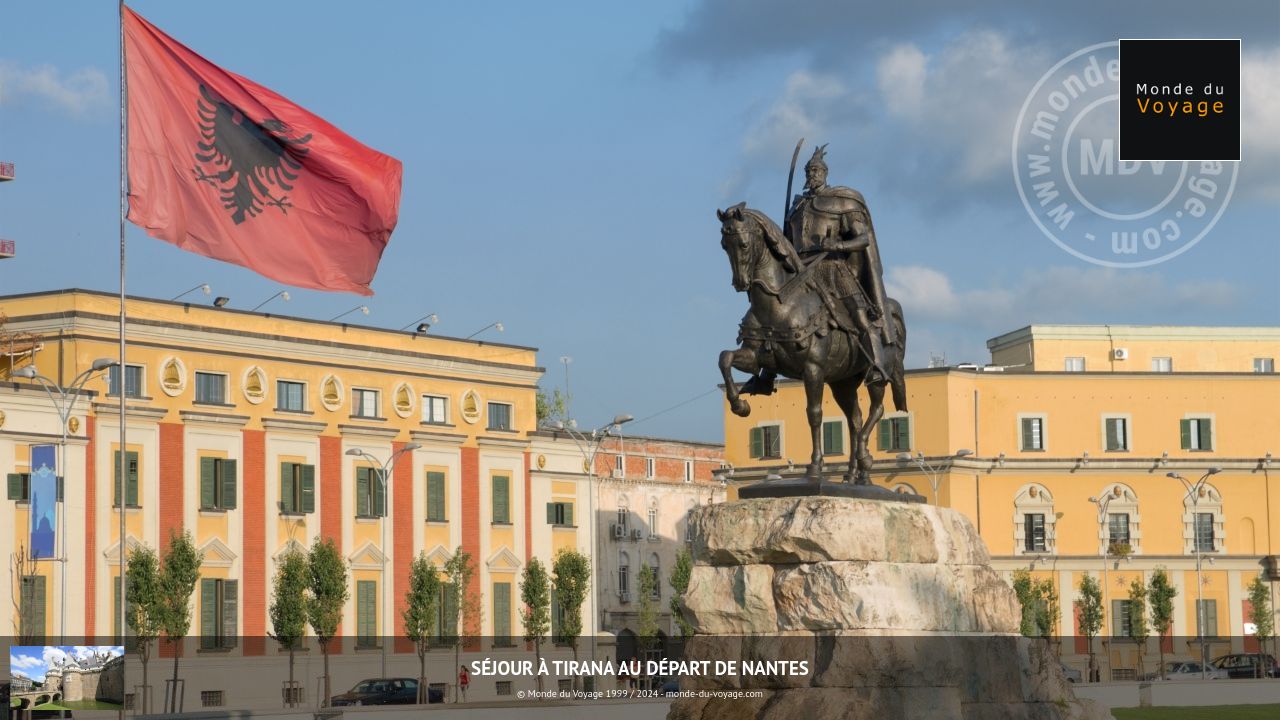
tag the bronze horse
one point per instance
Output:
(791, 330)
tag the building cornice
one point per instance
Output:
(306, 427)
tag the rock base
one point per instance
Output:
(832, 607)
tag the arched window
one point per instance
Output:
(653, 518)
(1120, 530)
(656, 564)
(624, 576)
(1202, 522)
(1034, 521)
(624, 513)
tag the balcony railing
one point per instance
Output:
(6, 171)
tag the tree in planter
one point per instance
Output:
(25, 604)
(288, 609)
(680, 574)
(1139, 630)
(1161, 594)
(647, 612)
(1039, 602)
(420, 614)
(462, 603)
(180, 570)
(571, 578)
(329, 593)
(1260, 614)
(1090, 605)
(535, 593)
(144, 608)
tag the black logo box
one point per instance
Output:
(1187, 68)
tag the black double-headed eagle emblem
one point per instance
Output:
(246, 159)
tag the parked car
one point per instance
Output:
(385, 691)
(1245, 665)
(1187, 670)
(1072, 674)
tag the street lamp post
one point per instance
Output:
(382, 470)
(1103, 503)
(589, 462)
(1193, 491)
(933, 473)
(64, 401)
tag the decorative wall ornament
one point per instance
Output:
(1, 418)
(73, 424)
(402, 400)
(331, 393)
(470, 407)
(173, 376)
(255, 385)
(542, 461)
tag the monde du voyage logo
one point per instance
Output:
(1123, 152)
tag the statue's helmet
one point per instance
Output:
(817, 161)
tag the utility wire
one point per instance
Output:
(676, 406)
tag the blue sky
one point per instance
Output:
(563, 162)
(35, 660)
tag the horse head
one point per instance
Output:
(744, 234)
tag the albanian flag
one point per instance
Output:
(223, 167)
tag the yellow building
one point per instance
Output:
(1061, 462)
(259, 434)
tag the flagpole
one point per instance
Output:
(121, 374)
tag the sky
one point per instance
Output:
(33, 661)
(563, 162)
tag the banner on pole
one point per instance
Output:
(44, 501)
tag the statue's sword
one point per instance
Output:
(786, 208)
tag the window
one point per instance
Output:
(895, 434)
(688, 471)
(560, 513)
(1196, 433)
(1117, 433)
(211, 698)
(366, 613)
(766, 441)
(435, 497)
(1074, 364)
(1162, 364)
(32, 609)
(446, 615)
(833, 437)
(291, 396)
(131, 484)
(1032, 434)
(649, 468)
(499, 416)
(1205, 540)
(1120, 618)
(1207, 618)
(20, 487)
(435, 409)
(211, 388)
(619, 465)
(653, 523)
(557, 619)
(502, 614)
(501, 499)
(364, 403)
(1264, 365)
(564, 685)
(502, 687)
(371, 493)
(1033, 535)
(132, 380)
(217, 484)
(297, 488)
(1117, 529)
(218, 613)
(624, 581)
(623, 514)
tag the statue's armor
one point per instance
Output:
(838, 213)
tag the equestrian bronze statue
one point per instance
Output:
(818, 314)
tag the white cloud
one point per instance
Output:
(77, 92)
(901, 76)
(25, 661)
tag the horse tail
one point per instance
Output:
(897, 379)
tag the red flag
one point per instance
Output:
(223, 167)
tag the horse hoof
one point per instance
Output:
(864, 478)
(740, 407)
(849, 478)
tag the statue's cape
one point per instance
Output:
(839, 200)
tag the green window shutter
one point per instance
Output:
(208, 483)
(308, 488)
(366, 612)
(901, 433)
(286, 488)
(208, 613)
(1206, 433)
(15, 486)
(1028, 434)
(131, 486)
(230, 614)
(883, 439)
(115, 478)
(501, 498)
(362, 492)
(1184, 427)
(61, 487)
(568, 513)
(450, 610)
(555, 615)
(32, 615)
(435, 496)
(551, 513)
(378, 491)
(1113, 434)
(757, 442)
(502, 613)
(229, 484)
(832, 438)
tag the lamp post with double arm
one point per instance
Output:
(1193, 492)
(931, 471)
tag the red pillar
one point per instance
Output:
(470, 458)
(253, 506)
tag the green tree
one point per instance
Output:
(681, 571)
(571, 578)
(1161, 594)
(1139, 630)
(535, 593)
(553, 406)
(288, 609)
(1260, 613)
(647, 611)
(464, 608)
(178, 576)
(420, 614)
(329, 593)
(144, 610)
(1090, 607)
(1037, 598)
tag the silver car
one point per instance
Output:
(1189, 670)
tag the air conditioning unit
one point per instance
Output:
(618, 474)
(636, 534)
(624, 596)
(619, 531)
(1120, 354)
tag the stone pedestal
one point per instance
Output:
(835, 607)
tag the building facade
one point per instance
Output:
(1060, 454)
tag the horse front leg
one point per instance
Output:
(813, 387)
(743, 359)
(875, 393)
